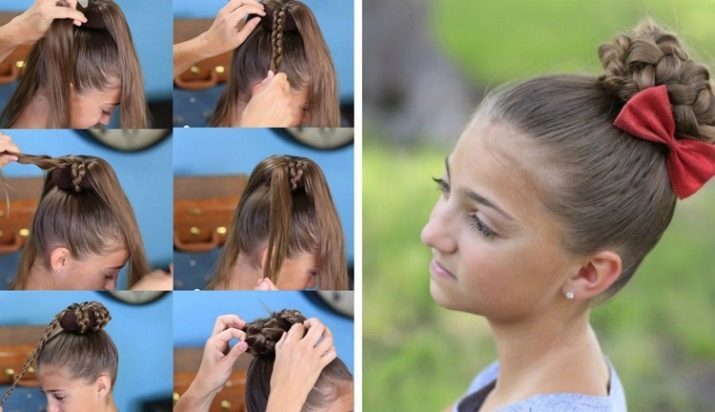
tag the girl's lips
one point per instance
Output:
(439, 271)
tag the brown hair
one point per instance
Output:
(286, 203)
(610, 190)
(288, 39)
(83, 208)
(91, 57)
(80, 347)
(261, 337)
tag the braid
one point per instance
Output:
(33, 355)
(66, 172)
(295, 169)
(77, 318)
(279, 18)
(263, 334)
(649, 56)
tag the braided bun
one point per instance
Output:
(84, 317)
(77, 319)
(649, 56)
(263, 334)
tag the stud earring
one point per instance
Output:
(569, 295)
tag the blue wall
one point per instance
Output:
(145, 176)
(336, 20)
(230, 151)
(152, 31)
(145, 359)
(195, 314)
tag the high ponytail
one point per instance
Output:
(287, 206)
(83, 208)
(288, 39)
(92, 57)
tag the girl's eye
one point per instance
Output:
(482, 228)
(442, 185)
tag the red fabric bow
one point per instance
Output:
(648, 115)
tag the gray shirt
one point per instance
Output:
(484, 382)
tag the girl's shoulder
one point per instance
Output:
(551, 402)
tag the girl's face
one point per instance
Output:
(93, 272)
(65, 394)
(93, 108)
(298, 272)
(496, 251)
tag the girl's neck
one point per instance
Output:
(547, 354)
(244, 274)
(34, 115)
(38, 278)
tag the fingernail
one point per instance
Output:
(242, 345)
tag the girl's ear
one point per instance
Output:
(594, 276)
(103, 386)
(59, 259)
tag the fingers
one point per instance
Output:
(237, 350)
(315, 332)
(227, 321)
(241, 12)
(7, 145)
(281, 341)
(325, 345)
(235, 4)
(221, 340)
(247, 29)
(328, 357)
(295, 334)
(67, 13)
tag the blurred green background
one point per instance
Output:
(659, 331)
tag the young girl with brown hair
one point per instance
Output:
(555, 192)
(285, 232)
(76, 74)
(75, 362)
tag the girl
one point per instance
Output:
(284, 61)
(285, 233)
(76, 74)
(76, 361)
(294, 366)
(555, 192)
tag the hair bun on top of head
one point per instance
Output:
(263, 334)
(70, 176)
(84, 317)
(647, 57)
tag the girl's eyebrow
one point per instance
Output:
(474, 196)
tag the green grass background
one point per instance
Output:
(659, 331)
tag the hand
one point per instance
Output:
(265, 284)
(299, 362)
(229, 30)
(216, 365)
(219, 357)
(271, 105)
(9, 152)
(156, 280)
(31, 25)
